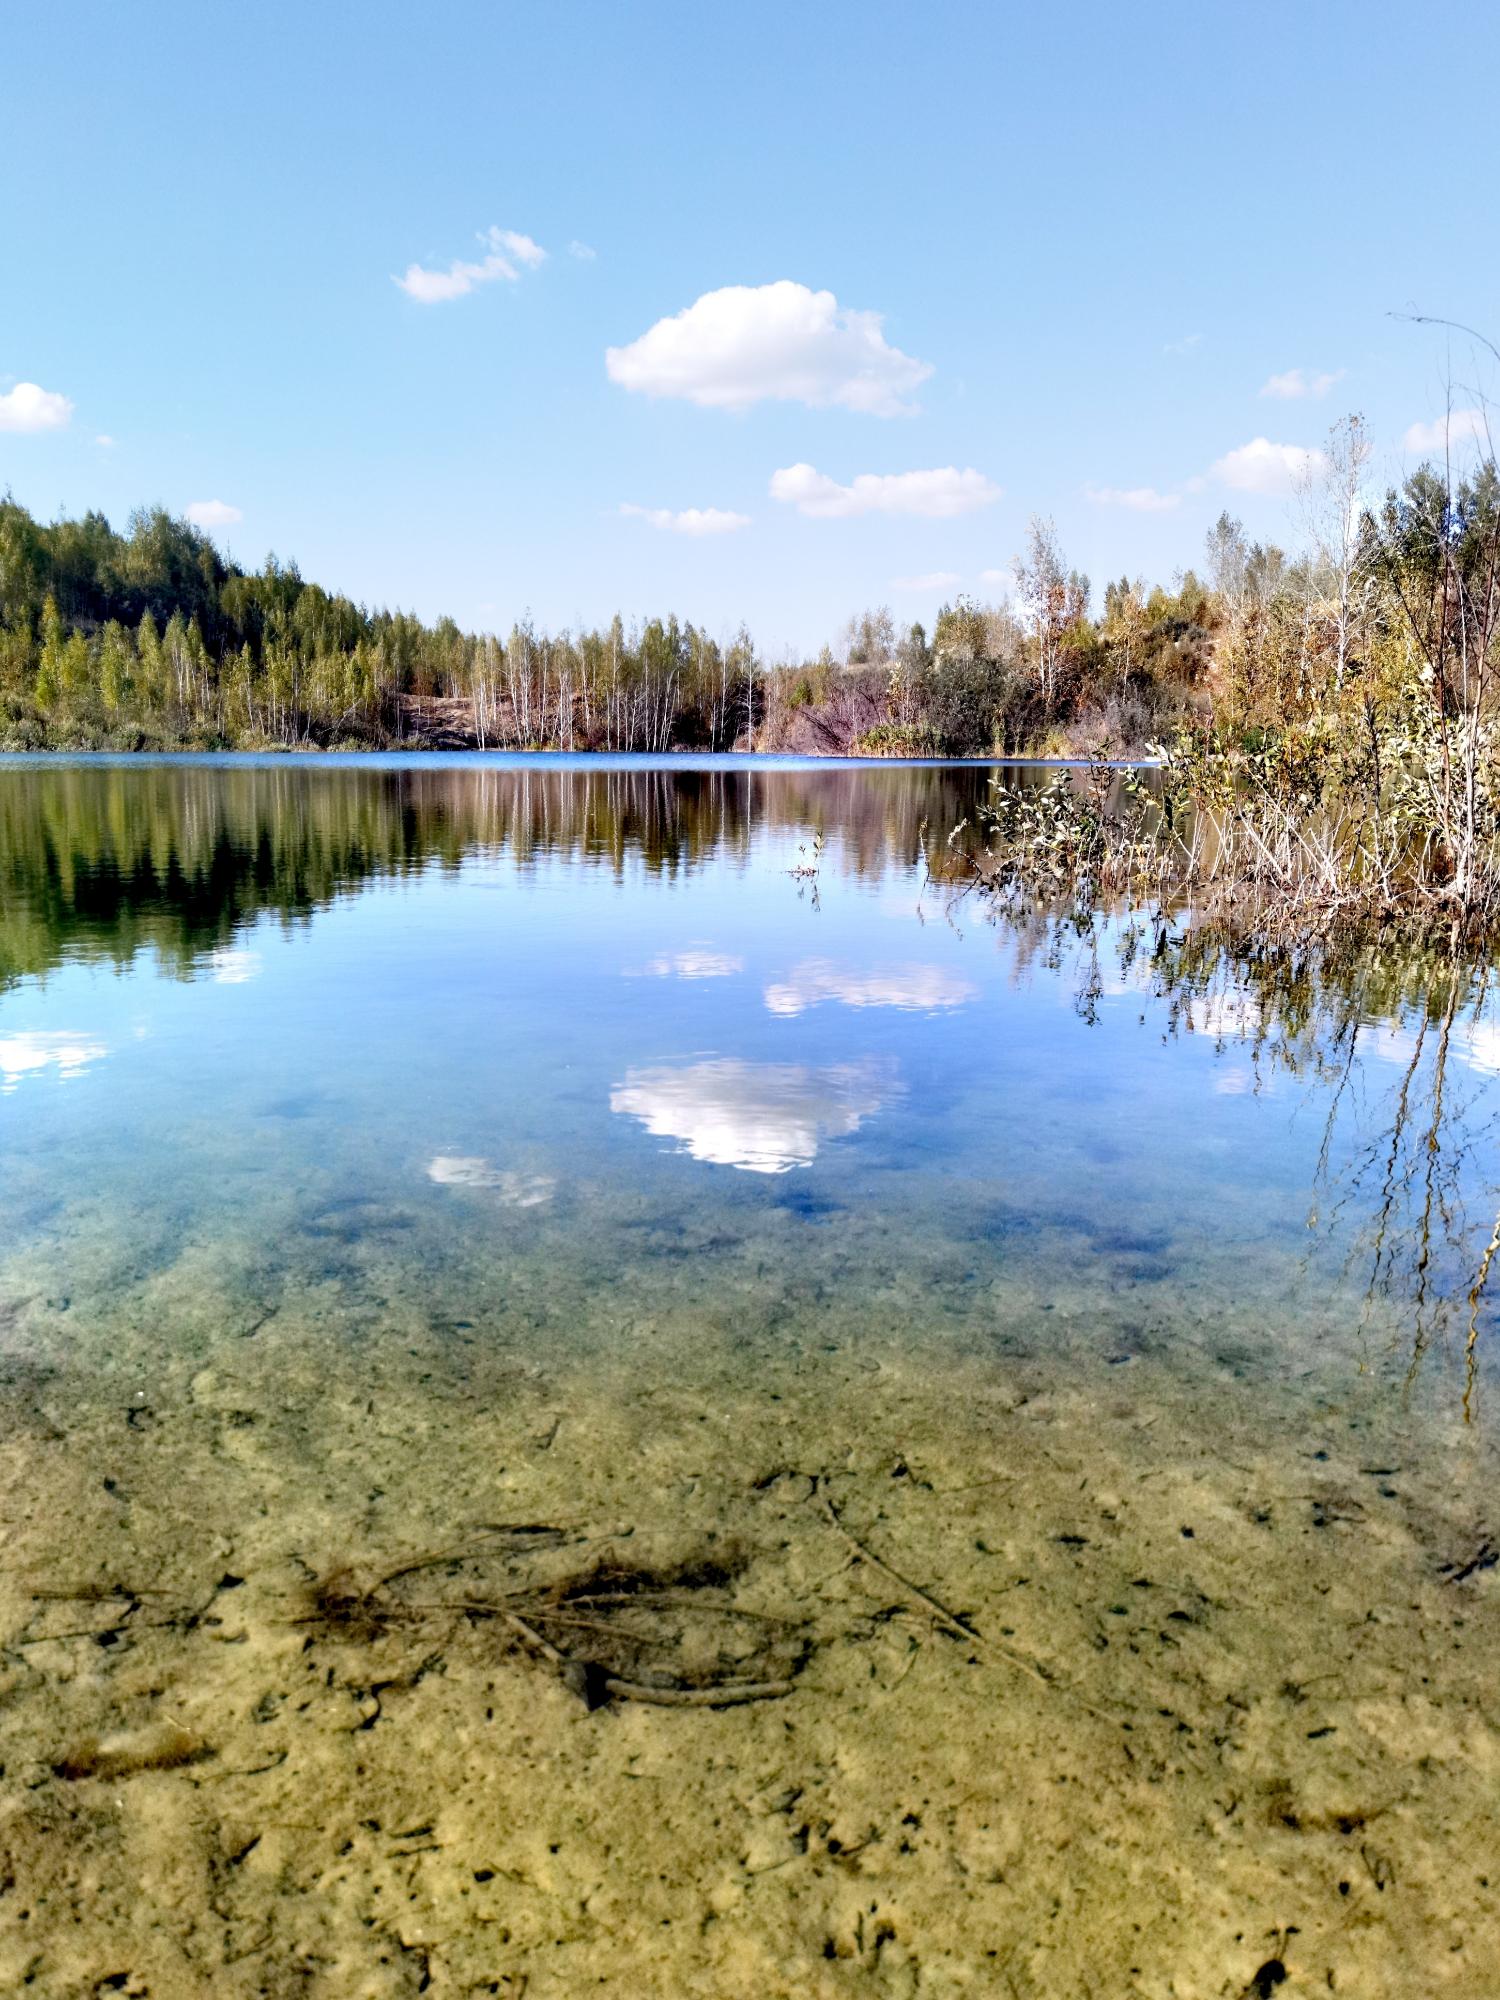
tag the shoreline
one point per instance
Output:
(685, 760)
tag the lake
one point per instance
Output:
(610, 1380)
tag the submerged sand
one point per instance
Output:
(1227, 1723)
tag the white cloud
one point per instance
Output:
(782, 343)
(1184, 346)
(1263, 467)
(936, 495)
(1457, 427)
(28, 407)
(1296, 383)
(505, 249)
(913, 988)
(1140, 499)
(764, 1118)
(212, 514)
(468, 1170)
(104, 441)
(689, 520)
(582, 251)
(929, 580)
(33, 1050)
(697, 961)
(522, 248)
(431, 288)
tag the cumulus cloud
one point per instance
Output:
(1263, 467)
(584, 252)
(781, 343)
(764, 1118)
(936, 495)
(520, 247)
(927, 580)
(104, 441)
(1443, 433)
(29, 407)
(924, 989)
(1140, 499)
(212, 514)
(505, 250)
(689, 520)
(1296, 383)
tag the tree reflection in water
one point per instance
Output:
(1394, 1043)
(1404, 1030)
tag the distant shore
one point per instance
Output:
(678, 758)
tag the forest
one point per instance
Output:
(1355, 674)
(151, 639)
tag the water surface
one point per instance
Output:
(681, 1157)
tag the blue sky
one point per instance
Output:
(1067, 249)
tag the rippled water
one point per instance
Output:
(392, 1147)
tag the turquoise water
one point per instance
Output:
(434, 1186)
(601, 1013)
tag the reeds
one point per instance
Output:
(1237, 840)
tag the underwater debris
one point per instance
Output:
(163, 1747)
(665, 1634)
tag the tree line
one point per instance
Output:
(150, 638)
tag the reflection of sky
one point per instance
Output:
(914, 988)
(232, 965)
(461, 1039)
(37, 1050)
(473, 1171)
(1226, 1017)
(763, 1117)
(1473, 1042)
(696, 961)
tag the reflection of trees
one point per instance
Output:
(1396, 1041)
(106, 859)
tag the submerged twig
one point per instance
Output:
(727, 1694)
(948, 1621)
(609, 1687)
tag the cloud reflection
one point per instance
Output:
(469, 1170)
(696, 961)
(232, 965)
(916, 988)
(764, 1118)
(1226, 1017)
(69, 1053)
(1474, 1042)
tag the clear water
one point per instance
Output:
(393, 1146)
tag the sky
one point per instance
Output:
(760, 313)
